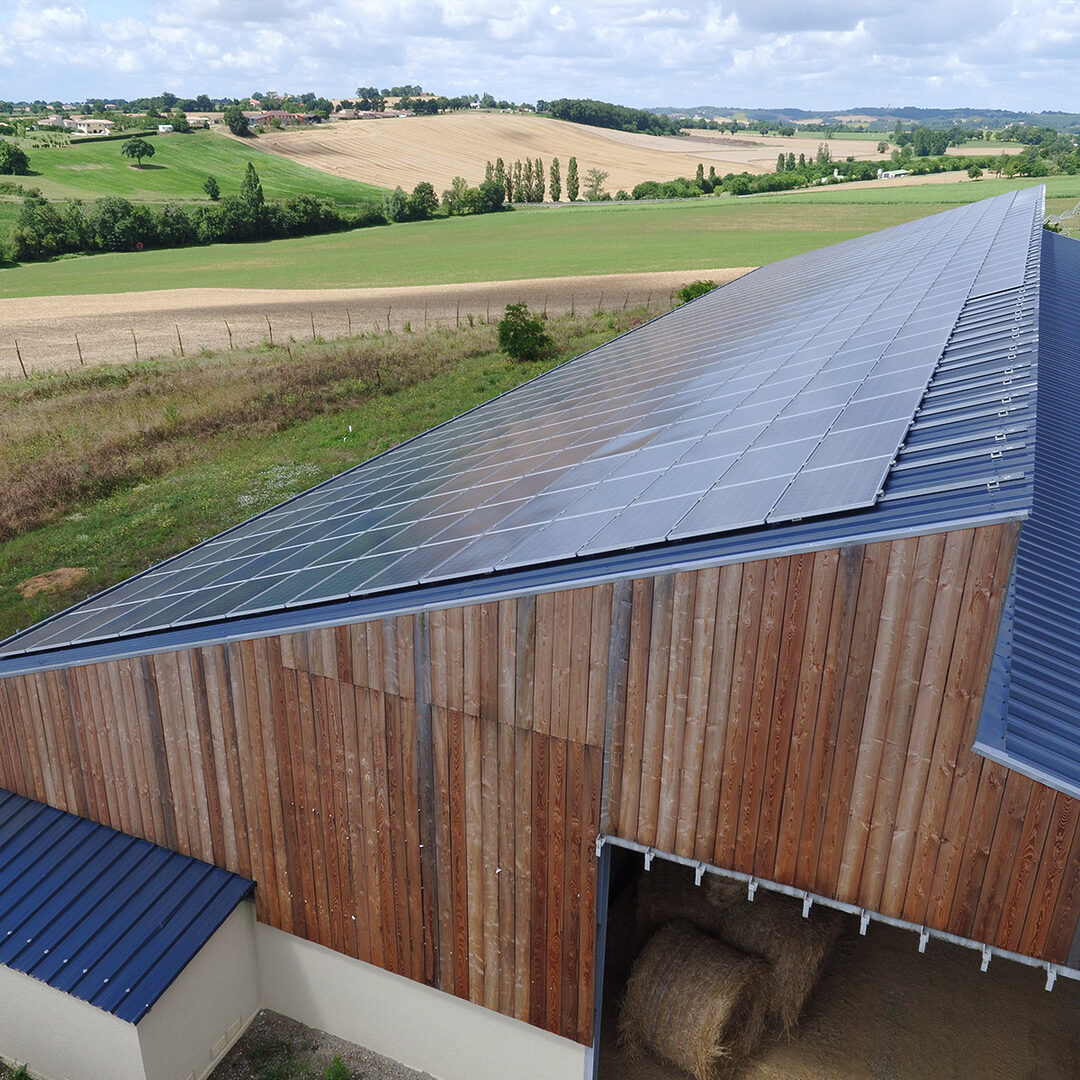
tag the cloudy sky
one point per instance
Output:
(813, 54)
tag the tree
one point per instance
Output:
(251, 189)
(555, 184)
(370, 99)
(13, 160)
(695, 289)
(781, 162)
(519, 184)
(572, 180)
(594, 184)
(522, 335)
(882, 147)
(137, 149)
(974, 172)
(395, 206)
(211, 188)
(538, 181)
(236, 121)
(423, 202)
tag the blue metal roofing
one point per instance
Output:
(108, 918)
(882, 385)
(1031, 720)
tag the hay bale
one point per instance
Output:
(694, 1002)
(772, 928)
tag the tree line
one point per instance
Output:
(606, 115)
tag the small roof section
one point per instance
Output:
(108, 918)
(787, 396)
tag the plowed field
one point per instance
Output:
(438, 148)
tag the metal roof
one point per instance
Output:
(108, 918)
(798, 401)
(1031, 721)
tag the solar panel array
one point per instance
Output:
(783, 395)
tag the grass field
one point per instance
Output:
(113, 468)
(178, 170)
(529, 243)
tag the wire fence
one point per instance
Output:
(67, 343)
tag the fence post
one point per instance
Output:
(312, 316)
(79, 347)
(179, 339)
(271, 329)
(19, 355)
(136, 340)
(228, 330)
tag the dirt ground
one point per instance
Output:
(114, 328)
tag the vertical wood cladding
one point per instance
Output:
(424, 792)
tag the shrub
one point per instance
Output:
(694, 289)
(337, 1070)
(522, 335)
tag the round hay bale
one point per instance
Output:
(772, 927)
(694, 1002)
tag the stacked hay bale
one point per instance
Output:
(772, 928)
(694, 1002)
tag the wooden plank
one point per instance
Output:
(44, 730)
(166, 674)
(393, 940)
(575, 701)
(589, 916)
(488, 660)
(700, 651)
(738, 713)
(89, 750)
(507, 663)
(891, 628)
(722, 667)
(811, 676)
(304, 759)
(404, 632)
(446, 943)
(397, 811)
(673, 734)
(1061, 939)
(368, 718)
(574, 827)
(358, 654)
(600, 599)
(981, 825)
(538, 880)
(524, 926)
(471, 659)
(615, 704)
(408, 752)
(562, 649)
(1049, 877)
(508, 813)
(652, 737)
(60, 709)
(488, 809)
(555, 882)
(334, 815)
(524, 658)
(1005, 846)
(343, 653)
(150, 702)
(542, 663)
(770, 636)
(1022, 881)
(971, 680)
(454, 620)
(919, 751)
(785, 703)
(426, 778)
(459, 858)
(359, 936)
(226, 758)
(846, 737)
(11, 765)
(475, 853)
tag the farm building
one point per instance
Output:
(780, 586)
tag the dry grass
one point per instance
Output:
(694, 1002)
(70, 438)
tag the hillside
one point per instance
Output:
(438, 148)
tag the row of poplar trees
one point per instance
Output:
(526, 182)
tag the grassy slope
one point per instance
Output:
(178, 170)
(178, 451)
(582, 239)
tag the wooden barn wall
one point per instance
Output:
(424, 792)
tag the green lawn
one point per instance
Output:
(178, 170)
(528, 243)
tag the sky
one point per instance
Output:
(811, 54)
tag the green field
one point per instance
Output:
(582, 239)
(178, 170)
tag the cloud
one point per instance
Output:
(814, 54)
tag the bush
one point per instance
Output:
(522, 335)
(694, 289)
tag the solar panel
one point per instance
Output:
(784, 394)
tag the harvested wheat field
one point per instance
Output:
(404, 151)
(113, 328)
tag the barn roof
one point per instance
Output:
(102, 916)
(881, 386)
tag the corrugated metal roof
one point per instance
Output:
(789, 395)
(108, 918)
(1031, 720)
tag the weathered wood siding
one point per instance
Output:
(424, 792)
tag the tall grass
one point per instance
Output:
(114, 468)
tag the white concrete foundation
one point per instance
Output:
(423, 1028)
